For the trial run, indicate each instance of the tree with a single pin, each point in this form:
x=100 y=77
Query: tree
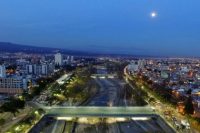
x=189 y=109
x=12 y=106
x=189 y=92
x=41 y=111
x=151 y=99
x=2 y=121
x=9 y=107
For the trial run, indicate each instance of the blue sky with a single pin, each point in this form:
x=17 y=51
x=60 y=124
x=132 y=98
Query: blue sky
x=109 y=26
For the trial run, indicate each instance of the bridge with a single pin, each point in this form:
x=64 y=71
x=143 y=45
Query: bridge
x=90 y=111
x=103 y=76
x=123 y=113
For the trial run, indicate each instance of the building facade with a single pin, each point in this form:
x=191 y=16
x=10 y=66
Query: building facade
x=2 y=71
x=12 y=85
x=59 y=59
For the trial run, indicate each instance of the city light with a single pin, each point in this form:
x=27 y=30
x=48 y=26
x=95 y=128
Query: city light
x=99 y=66
x=92 y=120
x=114 y=120
x=140 y=118
x=142 y=87
x=36 y=112
x=17 y=128
x=65 y=118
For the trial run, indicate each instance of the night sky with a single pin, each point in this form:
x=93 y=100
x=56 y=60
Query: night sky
x=107 y=26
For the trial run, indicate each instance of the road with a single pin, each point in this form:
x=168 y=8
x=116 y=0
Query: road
x=111 y=94
x=135 y=126
x=107 y=96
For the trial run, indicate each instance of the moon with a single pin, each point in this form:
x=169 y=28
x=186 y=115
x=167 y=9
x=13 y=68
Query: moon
x=153 y=14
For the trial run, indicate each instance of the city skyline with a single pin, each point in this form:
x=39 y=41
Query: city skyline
x=98 y=66
x=159 y=28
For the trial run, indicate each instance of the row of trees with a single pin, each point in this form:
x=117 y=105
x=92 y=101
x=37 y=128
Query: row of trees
x=160 y=91
x=42 y=84
x=12 y=106
x=77 y=88
x=27 y=122
x=74 y=88
x=136 y=94
x=165 y=94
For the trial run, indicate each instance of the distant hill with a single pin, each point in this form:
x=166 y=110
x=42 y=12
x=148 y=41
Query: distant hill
x=13 y=48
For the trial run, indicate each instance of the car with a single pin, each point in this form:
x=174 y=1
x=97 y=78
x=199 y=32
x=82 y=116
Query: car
x=186 y=124
x=178 y=126
x=174 y=119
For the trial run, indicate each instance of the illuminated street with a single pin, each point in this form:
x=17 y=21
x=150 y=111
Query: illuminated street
x=100 y=111
x=128 y=126
x=99 y=66
x=108 y=110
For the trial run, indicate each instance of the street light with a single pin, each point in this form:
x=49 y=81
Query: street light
x=17 y=128
x=36 y=112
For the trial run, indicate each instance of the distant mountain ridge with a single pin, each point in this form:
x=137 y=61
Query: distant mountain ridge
x=13 y=48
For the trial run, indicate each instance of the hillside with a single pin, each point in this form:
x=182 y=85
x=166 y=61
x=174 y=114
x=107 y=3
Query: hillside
x=13 y=48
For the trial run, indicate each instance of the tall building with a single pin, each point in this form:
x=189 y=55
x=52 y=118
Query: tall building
x=40 y=69
x=29 y=69
x=58 y=59
x=44 y=69
x=136 y=65
x=141 y=63
x=43 y=59
x=133 y=66
x=50 y=68
x=72 y=59
x=2 y=71
x=14 y=85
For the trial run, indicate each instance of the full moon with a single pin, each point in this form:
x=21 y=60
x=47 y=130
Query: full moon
x=153 y=14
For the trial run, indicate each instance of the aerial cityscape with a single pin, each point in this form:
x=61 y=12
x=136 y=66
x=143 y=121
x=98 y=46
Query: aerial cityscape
x=99 y=66
x=62 y=93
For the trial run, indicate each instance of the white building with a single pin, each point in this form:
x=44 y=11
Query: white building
x=29 y=69
x=44 y=69
x=141 y=63
x=40 y=69
x=58 y=59
x=164 y=75
x=2 y=71
x=133 y=66
x=72 y=59
x=184 y=69
x=51 y=68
